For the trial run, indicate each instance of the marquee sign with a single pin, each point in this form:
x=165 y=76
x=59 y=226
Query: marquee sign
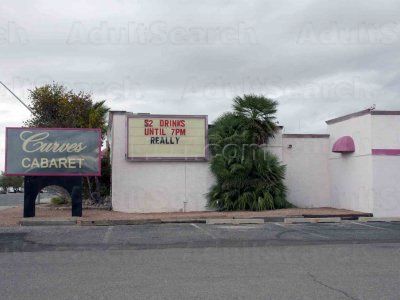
x=53 y=152
x=167 y=137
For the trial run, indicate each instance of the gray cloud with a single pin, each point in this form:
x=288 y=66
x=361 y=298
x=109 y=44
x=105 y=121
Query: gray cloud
x=319 y=59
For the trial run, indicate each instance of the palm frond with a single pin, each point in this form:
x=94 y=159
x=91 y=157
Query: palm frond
x=247 y=176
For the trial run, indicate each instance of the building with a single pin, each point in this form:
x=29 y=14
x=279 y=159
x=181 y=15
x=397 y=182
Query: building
x=356 y=166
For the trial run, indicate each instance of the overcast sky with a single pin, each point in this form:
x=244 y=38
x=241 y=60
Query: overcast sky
x=320 y=59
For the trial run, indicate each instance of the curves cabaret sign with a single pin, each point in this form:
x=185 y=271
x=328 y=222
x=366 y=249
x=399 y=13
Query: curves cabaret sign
x=53 y=152
x=167 y=137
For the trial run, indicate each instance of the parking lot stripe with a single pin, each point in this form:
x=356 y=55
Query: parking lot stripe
x=367 y=225
x=107 y=235
x=290 y=226
x=203 y=230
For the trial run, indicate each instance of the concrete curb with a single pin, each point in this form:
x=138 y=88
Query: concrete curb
x=377 y=219
x=342 y=216
x=274 y=219
x=312 y=220
x=180 y=221
x=234 y=221
x=117 y=222
x=210 y=221
x=49 y=222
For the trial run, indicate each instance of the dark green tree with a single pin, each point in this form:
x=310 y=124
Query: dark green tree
x=53 y=105
x=11 y=181
x=248 y=177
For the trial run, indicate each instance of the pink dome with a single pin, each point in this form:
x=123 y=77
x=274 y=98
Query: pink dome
x=345 y=144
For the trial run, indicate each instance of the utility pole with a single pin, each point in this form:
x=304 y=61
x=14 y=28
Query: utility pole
x=22 y=102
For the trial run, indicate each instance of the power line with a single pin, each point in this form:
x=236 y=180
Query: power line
x=22 y=102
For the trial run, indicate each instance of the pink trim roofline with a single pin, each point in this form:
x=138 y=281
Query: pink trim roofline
x=390 y=152
x=362 y=113
x=305 y=135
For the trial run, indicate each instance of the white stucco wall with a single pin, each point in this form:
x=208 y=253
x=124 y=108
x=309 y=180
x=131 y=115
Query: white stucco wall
x=385 y=131
x=363 y=181
x=307 y=173
x=386 y=168
x=275 y=145
x=315 y=176
x=155 y=186
x=386 y=186
x=351 y=174
x=177 y=186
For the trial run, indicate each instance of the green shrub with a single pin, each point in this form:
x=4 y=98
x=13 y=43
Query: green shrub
x=247 y=176
x=59 y=201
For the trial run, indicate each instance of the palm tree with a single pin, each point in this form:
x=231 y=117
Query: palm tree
x=247 y=176
x=97 y=116
x=258 y=112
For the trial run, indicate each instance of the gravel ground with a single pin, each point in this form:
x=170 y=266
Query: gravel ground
x=12 y=216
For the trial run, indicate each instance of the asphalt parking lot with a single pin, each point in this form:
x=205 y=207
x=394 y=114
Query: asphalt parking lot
x=161 y=236
x=348 y=260
x=11 y=199
x=17 y=199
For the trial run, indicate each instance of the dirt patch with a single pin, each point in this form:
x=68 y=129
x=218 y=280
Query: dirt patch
x=12 y=216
